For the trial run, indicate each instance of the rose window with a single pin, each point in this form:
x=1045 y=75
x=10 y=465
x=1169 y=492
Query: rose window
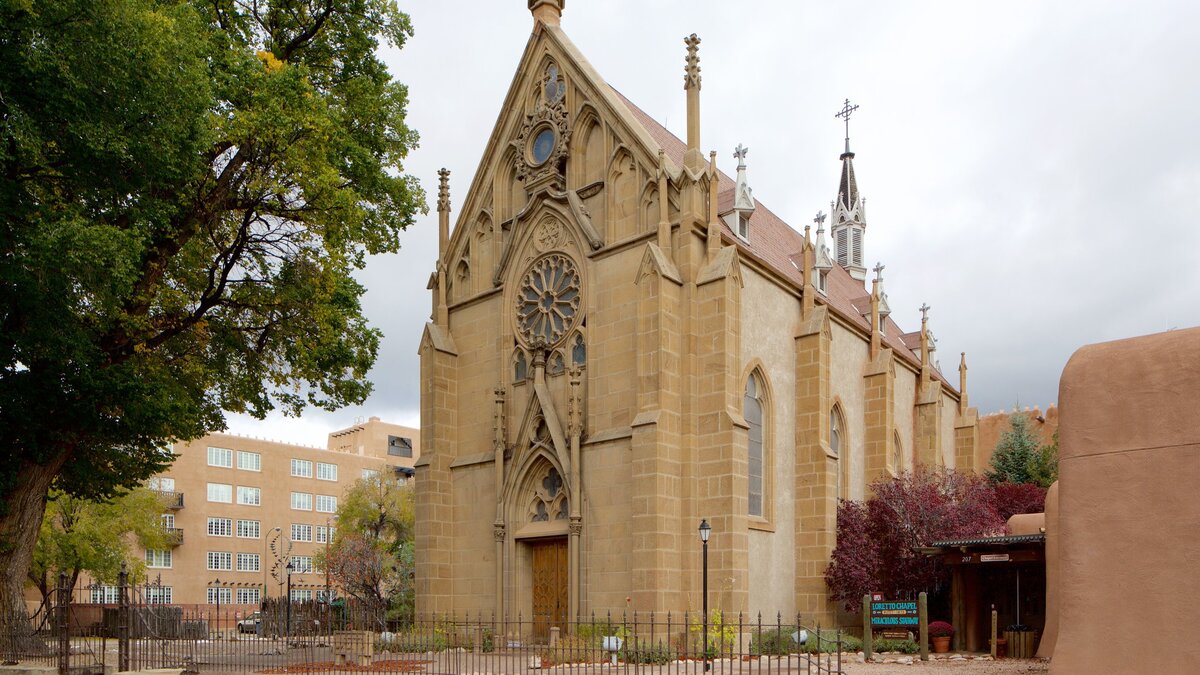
x=548 y=300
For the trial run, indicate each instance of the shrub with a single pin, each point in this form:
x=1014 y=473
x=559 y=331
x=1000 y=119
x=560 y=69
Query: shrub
x=890 y=645
x=657 y=653
x=773 y=642
x=570 y=649
x=721 y=636
x=940 y=629
x=414 y=641
x=827 y=641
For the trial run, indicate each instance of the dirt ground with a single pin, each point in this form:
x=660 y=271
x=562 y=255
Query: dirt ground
x=948 y=667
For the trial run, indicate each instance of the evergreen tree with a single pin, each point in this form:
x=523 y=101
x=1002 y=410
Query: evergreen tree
x=1044 y=470
x=1015 y=454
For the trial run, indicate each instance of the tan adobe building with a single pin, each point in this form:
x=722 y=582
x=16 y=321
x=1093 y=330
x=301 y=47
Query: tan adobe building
x=624 y=342
x=240 y=508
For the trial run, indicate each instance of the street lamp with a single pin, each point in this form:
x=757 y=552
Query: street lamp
x=705 y=532
x=217 y=582
x=287 y=631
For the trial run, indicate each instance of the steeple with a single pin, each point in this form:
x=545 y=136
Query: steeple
x=849 y=214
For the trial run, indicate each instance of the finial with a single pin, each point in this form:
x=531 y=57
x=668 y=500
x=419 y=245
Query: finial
x=547 y=11
x=820 y=221
x=878 y=270
x=692 y=69
x=740 y=153
x=924 y=312
x=443 y=190
x=845 y=113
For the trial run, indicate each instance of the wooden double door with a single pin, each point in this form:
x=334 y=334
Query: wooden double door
x=549 y=585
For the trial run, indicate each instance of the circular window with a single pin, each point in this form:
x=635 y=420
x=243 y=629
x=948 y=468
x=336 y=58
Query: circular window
x=543 y=145
x=548 y=299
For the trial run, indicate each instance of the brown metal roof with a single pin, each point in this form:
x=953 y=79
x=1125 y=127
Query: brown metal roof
x=779 y=246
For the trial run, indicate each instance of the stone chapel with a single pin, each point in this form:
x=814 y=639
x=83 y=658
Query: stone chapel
x=624 y=341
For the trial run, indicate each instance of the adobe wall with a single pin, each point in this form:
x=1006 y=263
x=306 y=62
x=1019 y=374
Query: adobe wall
x=1042 y=424
x=1129 y=507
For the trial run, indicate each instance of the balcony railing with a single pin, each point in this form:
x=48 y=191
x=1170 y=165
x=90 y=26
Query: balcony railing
x=174 y=535
x=173 y=500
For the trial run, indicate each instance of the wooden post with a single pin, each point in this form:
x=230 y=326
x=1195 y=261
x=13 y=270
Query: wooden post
x=867 y=635
x=923 y=623
x=993 y=640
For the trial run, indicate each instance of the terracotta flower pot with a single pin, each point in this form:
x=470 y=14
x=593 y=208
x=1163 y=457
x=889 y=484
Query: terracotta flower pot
x=941 y=644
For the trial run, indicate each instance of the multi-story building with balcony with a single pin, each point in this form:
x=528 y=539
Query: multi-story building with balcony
x=239 y=509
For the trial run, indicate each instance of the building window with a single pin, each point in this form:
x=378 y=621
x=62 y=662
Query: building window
x=249 y=461
x=752 y=410
x=301 y=595
x=167 y=521
x=247 y=562
x=249 y=596
x=301 y=563
x=369 y=474
x=104 y=595
x=301 y=468
x=836 y=433
x=326 y=504
x=301 y=501
x=220 y=527
x=220 y=596
x=220 y=492
x=301 y=532
x=222 y=457
x=157 y=595
x=897 y=454
x=743 y=226
x=158 y=559
x=326 y=471
x=220 y=560
x=399 y=446
x=249 y=496
x=161 y=483
x=322 y=534
x=248 y=529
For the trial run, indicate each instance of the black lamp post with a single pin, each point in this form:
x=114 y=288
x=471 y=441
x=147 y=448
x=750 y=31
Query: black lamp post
x=705 y=531
x=217 y=583
x=287 y=630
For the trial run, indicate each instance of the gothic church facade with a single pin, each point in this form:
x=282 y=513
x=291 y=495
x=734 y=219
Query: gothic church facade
x=625 y=342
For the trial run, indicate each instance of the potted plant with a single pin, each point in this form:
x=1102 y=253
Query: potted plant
x=940 y=633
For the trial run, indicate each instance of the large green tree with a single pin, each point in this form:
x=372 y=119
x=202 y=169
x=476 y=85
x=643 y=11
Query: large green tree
x=187 y=188
x=371 y=557
x=83 y=535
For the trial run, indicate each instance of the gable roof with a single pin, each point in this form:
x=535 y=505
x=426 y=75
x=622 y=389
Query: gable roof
x=779 y=246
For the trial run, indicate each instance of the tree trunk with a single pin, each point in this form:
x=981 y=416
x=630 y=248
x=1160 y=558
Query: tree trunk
x=19 y=528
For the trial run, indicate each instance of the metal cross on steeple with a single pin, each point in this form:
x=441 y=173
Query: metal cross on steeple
x=878 y=270
x=924 y=311
x=820 y=219
x=845 y=113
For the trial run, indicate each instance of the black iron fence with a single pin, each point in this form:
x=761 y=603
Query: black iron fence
x=128 y=629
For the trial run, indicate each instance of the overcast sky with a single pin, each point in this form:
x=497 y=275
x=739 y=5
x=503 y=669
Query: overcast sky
x=1031 y=169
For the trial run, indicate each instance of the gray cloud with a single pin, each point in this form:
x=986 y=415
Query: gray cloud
x=1031 y=169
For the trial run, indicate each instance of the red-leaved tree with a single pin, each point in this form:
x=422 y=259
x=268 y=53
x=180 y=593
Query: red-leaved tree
x=877 y=540
x=1011 y=499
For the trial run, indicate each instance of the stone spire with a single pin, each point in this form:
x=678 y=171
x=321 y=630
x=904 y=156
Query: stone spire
x=694 y=158
x=441 y=312
x=743 y=197
x=713 y=243
x=962 y=384
x=849 y=214
x=884 y=309
x=443 y=208
x=548 y=12
x=822 y=262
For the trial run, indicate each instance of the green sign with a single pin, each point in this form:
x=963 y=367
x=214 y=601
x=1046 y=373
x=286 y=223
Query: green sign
x=894 y=615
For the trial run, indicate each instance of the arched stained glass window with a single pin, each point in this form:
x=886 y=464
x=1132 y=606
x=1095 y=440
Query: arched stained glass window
x=752 y=410
x=836 y=441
